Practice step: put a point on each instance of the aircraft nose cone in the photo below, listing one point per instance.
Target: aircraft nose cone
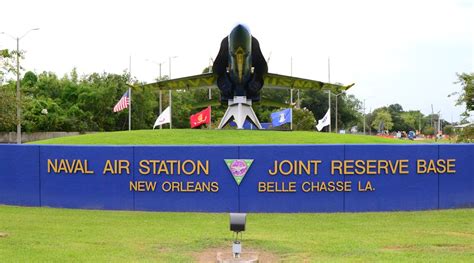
(240, 37)
(240, 29)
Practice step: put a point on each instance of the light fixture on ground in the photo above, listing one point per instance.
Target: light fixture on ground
(237, 226)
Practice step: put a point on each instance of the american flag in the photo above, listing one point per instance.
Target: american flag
(122, 103)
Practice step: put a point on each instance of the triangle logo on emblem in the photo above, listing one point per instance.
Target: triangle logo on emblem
(238, 168)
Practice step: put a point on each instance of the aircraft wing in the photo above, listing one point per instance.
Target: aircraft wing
(217, 102)
(198, 81)
(280, 81)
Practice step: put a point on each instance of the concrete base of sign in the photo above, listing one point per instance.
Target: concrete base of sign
(228, 257)
(240, 108)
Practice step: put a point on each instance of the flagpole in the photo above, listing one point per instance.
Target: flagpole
(210, 117)
(291, 121)
(130, 94)
(169, 92)
(329, 91)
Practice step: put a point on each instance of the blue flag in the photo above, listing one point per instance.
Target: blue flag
(281, 117)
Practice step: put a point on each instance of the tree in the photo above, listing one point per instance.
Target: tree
(7, 107)
(411, 120)
(382, 116)
(395, 111)
(348, 111)
(303, 120)
(316, 101)
(466, 96)
(7, 63)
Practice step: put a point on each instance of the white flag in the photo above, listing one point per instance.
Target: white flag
(165, 117)
(325, 121)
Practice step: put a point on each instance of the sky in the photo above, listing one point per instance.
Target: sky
(405, 52)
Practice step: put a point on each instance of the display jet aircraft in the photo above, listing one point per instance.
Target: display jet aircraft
(240, 71)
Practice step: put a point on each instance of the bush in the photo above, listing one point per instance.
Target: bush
(466, 135)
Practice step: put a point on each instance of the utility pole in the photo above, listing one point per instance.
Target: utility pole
(370, 130)
(364, 116)
(160, 92)
(329, 70)
(18, 94)
(419, 123)
(337, 95)
(432, 113)
(439, 121)
(169, 93)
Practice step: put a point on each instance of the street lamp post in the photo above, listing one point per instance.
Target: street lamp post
(160, 92)
(18, 95)
(169, 92)
(337, 95)
(329, 108)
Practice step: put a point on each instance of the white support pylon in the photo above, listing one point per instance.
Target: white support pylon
(240, 108)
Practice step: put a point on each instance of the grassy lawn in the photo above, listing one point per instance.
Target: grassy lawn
(46, 234)
(204, 137)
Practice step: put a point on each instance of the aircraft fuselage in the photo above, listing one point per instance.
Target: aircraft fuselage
(240, 66)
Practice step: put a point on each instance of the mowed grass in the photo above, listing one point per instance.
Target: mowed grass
(64, 235)
(214, 137)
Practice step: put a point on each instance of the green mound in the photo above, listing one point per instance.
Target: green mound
(216, 137)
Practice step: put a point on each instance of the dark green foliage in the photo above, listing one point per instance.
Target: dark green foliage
(348, 108)
(7, 107)
(74, 103)
(71, 103)
(395, 119)
(395, 111)
(303, 120)
(29, 80)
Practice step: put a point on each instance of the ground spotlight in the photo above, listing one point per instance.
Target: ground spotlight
(237, 226)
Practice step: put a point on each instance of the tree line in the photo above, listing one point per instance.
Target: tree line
(84, 103)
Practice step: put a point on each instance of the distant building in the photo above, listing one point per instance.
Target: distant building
(462, 126)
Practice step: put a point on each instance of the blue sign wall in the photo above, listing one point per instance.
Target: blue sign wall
(263, 178)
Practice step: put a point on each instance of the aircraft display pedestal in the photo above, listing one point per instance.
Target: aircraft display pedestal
(240, 108)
